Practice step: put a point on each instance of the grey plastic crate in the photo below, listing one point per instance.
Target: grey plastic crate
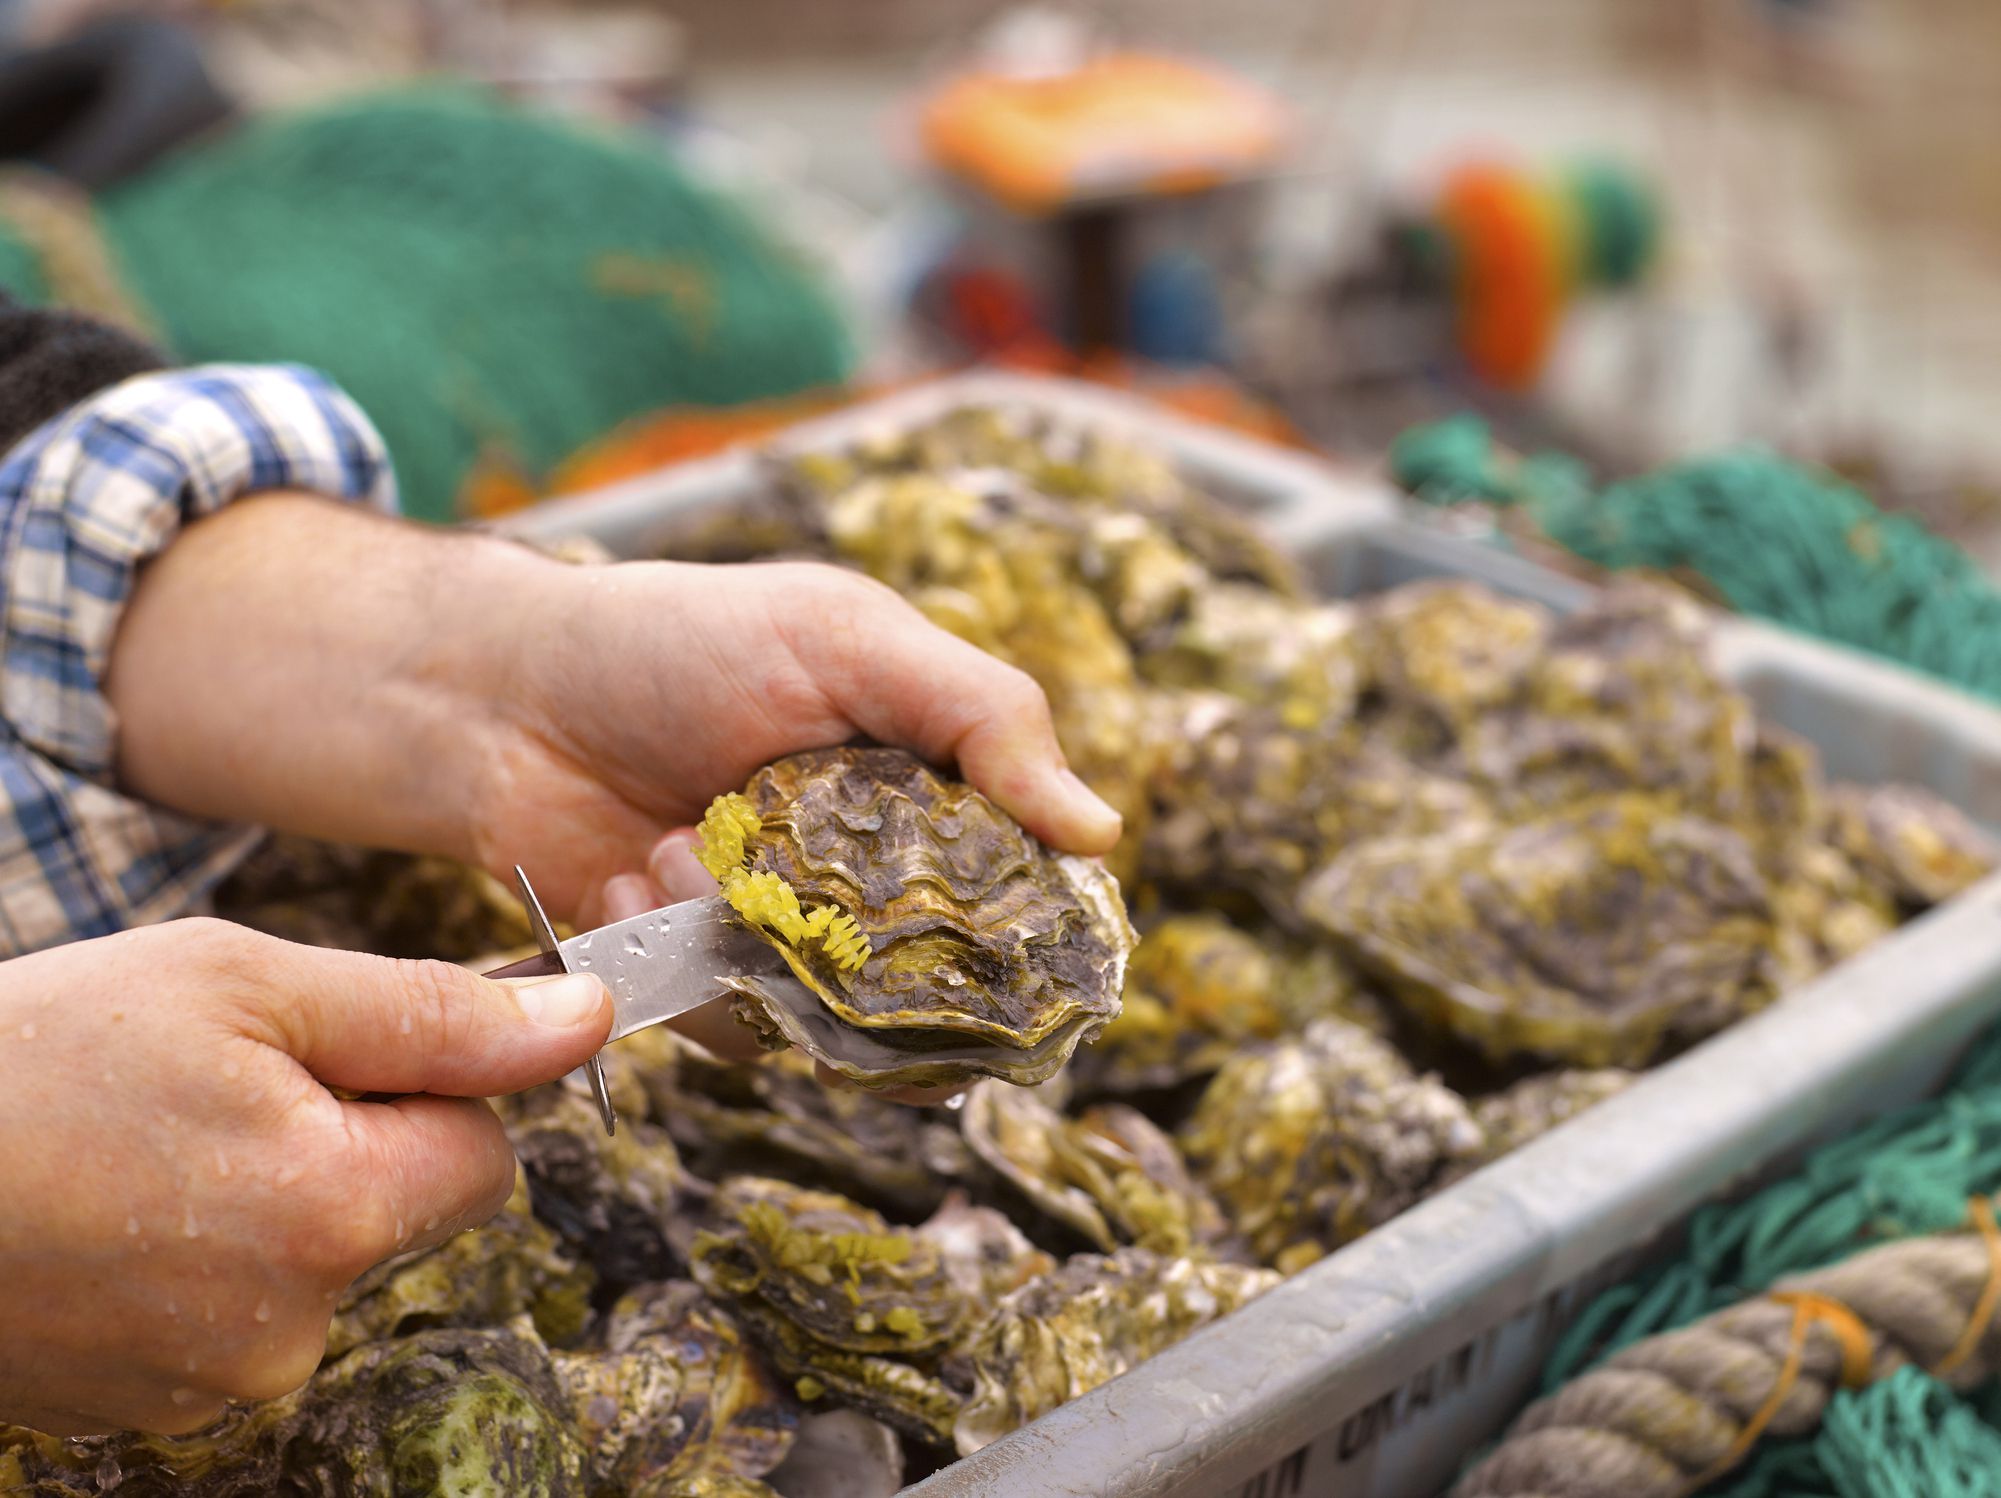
(1285, 490)
(1374, 1371)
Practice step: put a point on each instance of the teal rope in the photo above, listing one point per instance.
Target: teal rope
(1774, 539)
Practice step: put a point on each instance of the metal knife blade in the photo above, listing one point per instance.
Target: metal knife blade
(667, 961)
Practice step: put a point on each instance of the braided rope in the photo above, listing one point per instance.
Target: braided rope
(1670, 1414)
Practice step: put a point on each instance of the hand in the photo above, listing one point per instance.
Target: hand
(325, 671)
(185, 1198)
(658, 686)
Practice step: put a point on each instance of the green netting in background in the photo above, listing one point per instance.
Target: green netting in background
(1774, 538)
(487, 282)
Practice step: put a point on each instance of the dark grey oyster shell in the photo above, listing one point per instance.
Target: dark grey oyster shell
(941, 940)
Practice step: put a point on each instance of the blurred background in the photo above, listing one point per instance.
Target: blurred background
(551, 245)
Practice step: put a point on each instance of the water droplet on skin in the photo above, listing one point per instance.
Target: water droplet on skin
(221, 1163)
(173, 1310)
(28, 1031)
(132, 1226)
(188, 1224)
(208, 1315)
(263, 1311)
(406, 1024)
(430, 1224)
(231, 1071)
(193, 1362)
(288, 1174)
(402, 1230)
(184, 1397)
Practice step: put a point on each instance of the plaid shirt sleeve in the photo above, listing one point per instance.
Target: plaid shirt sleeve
(84, 500)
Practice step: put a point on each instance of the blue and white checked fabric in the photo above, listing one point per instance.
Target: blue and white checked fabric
(84, 500)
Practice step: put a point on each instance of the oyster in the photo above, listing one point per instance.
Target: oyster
(1449, 652)
(1263, 648)
(1091, 1320)
(1594, 937)
(840, 1302)
(1200, 986)
(238, 1455)
(612, 1198)
(777, 1119)
(1109, 1177)
(455, 1410)
(364, 900)
(941, 941)
(984, 1254)
(1309, 1142)
(510, 1265)
(1623, 698)
(668, 1394)
(1532, 1107)
(1078, 461)
(1247, 803)
(1915, 844)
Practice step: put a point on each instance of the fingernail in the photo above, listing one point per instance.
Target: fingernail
(674, 864)
(628, 895)
(558, 1002)
(1088, 802)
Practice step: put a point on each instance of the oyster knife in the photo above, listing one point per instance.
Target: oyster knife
(657, 965)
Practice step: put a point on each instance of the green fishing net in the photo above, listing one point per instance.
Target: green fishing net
(488, 283)
(1772, 537)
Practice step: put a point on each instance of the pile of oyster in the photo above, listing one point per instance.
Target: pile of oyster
(1416, 878)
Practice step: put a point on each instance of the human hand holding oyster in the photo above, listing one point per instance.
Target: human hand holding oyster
(934, 941)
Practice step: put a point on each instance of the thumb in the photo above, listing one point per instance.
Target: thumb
(377, 1024)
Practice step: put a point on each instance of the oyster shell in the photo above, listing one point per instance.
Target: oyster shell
(1914, 843)
(511, 1264)
(612, 1198)
(1532, 1107)
(941, 941)
(364, 900)
(777, 1119)
(1200, 986)
(1623, 698)
(455, 1410)
(668, 1394)
(1309, 1142)
(1078, 461)
(1091, 1320)
(1451, 651)
(1593, 937)
(1110, 1176)
(1248, 803)
(840, 1302)
(239, 1455)
(1302, 660)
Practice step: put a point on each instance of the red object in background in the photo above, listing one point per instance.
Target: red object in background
(1510, 271)
(992, 316)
